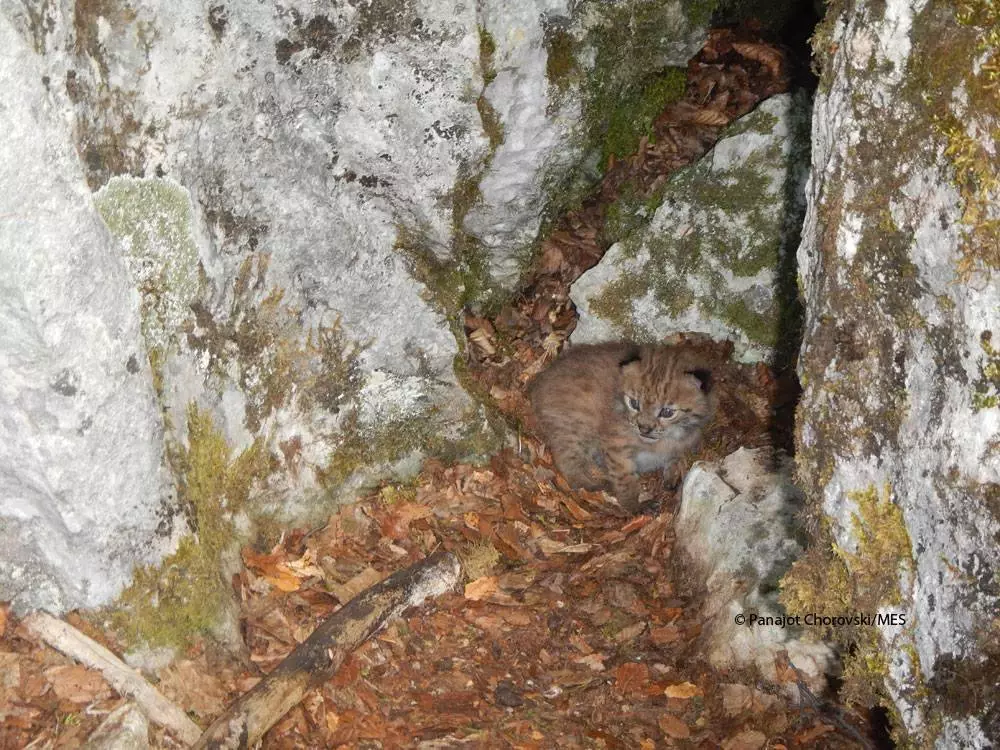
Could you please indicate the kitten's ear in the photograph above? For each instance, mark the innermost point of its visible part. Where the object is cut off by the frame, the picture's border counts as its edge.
(704, 378)
(632, 355)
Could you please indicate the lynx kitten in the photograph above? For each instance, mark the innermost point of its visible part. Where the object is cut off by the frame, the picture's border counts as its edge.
(610, 412)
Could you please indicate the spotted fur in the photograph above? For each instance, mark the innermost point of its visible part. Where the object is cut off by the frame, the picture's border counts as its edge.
(610, 412)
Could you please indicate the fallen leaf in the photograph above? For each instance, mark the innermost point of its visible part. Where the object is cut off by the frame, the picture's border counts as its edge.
(193, 687)
(674, 727)
(77, 684)
(630, 677)
(577, 549)
(594, 661)
(580, 644)
(666, 634)
(481, 588)
(630, 633)
(635, 524)
(749, 740)
(736, 699)
(682, 690)
(397, 524)
(578, 513)
(817, 730)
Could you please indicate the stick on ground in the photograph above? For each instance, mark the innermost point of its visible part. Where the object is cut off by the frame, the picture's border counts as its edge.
(318, 658)
(74, 644)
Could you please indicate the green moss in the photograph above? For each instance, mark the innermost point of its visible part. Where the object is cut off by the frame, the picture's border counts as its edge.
(487, 49)
(986, 389)
(761, 329)
(615, 304)
(363, 446)
(634, 113)
(977, 178)
(184, 596)
(699, 12)
(948, 58)
(492, 124)
(561, 67)
(153, 221)
(829, 580)
(628, 85)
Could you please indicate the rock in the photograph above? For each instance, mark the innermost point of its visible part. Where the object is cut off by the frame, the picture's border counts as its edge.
(557, 73)
(84, 493)
(899, 421)
(242, 236)
(715, 257)
(125, 728)
(737, 522)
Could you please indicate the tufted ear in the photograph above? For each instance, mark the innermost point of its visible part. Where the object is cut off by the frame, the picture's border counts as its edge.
(704, 378)
(632, 355)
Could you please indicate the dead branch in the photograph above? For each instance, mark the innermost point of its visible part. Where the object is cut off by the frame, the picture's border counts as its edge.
(318, 658)
(74, 644)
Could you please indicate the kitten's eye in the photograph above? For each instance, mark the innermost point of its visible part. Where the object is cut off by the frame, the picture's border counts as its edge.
(633, 403)
(667, 412)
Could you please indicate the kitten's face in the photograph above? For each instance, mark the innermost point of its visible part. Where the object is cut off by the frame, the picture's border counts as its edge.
(663, 397)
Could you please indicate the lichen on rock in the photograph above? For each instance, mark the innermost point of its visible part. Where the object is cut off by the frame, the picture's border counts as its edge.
(713, 257)
(897, 275)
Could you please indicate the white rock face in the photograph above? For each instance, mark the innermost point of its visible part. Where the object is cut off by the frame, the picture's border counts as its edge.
(713, 255)
(544, 122)
(737, 522)
(899, 360)
(82, 492)
(284, 191)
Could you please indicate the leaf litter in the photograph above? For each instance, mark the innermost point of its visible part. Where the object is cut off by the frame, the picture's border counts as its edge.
(577, 628)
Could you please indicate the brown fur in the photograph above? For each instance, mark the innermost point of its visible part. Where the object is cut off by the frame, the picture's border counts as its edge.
(598, 440)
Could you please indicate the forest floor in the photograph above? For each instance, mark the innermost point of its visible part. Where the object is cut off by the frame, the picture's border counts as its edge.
(581, 629)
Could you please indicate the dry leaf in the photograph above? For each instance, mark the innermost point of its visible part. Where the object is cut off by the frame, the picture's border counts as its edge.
(630, 633)
(682, 690)
(674, 727)
(191, 686)
(594, 661)
(481, 588)
(631, 677)
(396, 524)
(578, 513)
(749, 740)
(710, 117)
(666, 634)
(736, 699)
(765, 54)
(77, 684)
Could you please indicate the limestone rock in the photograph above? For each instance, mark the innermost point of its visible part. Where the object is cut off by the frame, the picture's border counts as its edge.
(246, 225)
(125, 728)
(899, 363)
(737, 521)
(83, 496)
(714, 257)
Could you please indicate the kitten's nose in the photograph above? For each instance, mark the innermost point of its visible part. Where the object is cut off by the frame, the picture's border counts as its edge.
(645, 431)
